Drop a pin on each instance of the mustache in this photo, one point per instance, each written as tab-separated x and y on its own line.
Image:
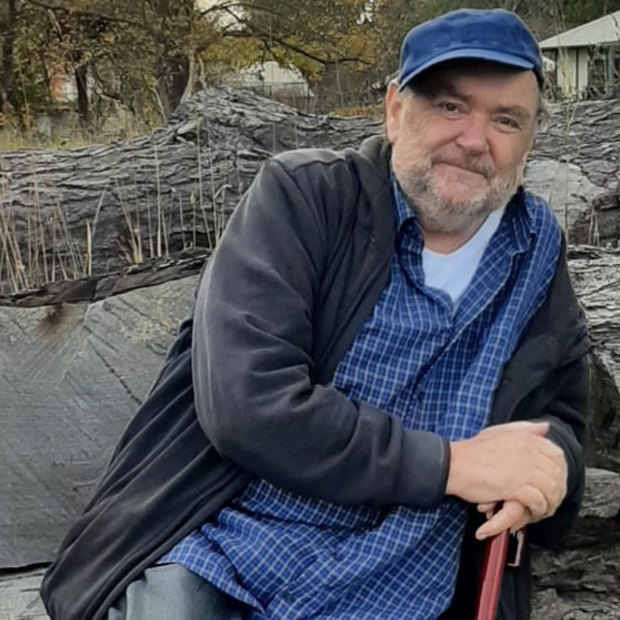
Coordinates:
487	170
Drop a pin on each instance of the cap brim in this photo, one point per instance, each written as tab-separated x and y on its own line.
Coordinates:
468	52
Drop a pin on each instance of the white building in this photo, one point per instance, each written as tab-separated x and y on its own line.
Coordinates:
587	58
271	79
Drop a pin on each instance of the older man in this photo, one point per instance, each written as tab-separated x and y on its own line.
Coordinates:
384	345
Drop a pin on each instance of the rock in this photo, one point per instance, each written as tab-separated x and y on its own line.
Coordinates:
71	377
100	208
586	137
548	605
570	193
595	274
582	581
19	596
602	495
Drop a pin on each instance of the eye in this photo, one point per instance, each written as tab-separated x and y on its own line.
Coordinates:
508	122
449	108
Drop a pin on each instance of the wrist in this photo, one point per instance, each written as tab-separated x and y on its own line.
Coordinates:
453	481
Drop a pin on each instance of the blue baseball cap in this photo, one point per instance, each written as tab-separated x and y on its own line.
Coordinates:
497	36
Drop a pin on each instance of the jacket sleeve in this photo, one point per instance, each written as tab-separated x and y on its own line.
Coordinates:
252	364
566	414
562	399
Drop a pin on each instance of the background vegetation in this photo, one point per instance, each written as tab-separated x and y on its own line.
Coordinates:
141	58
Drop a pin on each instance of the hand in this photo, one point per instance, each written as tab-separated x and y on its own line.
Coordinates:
511	516
510	462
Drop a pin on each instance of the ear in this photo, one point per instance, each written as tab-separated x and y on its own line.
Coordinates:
530	148
393	111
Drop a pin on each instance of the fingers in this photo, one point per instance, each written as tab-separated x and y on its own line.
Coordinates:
546	486
488	509
519	524
511	516
533	500
505	460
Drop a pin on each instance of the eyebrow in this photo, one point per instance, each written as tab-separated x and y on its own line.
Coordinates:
447	89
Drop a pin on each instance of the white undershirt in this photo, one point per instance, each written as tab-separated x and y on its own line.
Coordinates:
452	273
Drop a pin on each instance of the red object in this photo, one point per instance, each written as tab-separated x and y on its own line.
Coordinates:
495	555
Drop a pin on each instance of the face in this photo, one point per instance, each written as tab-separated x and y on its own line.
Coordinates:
459	149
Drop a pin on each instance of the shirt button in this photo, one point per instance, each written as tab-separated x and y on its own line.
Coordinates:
420	397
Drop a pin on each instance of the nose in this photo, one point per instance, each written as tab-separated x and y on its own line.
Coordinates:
473	134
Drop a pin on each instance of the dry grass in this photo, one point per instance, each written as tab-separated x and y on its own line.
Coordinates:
69	136
11	140
37	247
43	253
376	111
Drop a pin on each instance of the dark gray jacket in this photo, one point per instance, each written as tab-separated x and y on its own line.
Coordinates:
245	392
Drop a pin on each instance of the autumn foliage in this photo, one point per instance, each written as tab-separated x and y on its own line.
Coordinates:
145	56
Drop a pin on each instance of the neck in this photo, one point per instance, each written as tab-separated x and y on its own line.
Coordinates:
448	242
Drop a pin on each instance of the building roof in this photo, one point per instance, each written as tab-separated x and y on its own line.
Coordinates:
605	29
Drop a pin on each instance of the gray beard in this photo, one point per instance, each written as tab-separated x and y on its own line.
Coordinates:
439	215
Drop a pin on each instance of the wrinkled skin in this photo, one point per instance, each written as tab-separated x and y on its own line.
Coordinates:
460	153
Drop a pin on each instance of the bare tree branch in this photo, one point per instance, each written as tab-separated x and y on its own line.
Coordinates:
228	6
265	37
255	33
111	18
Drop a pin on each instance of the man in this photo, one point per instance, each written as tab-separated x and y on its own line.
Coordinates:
383	338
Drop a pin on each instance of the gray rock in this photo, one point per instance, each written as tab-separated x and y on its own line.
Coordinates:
570	193
548	605
71	377
602	495
19	596
596	279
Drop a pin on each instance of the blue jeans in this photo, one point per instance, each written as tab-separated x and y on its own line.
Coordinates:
171	591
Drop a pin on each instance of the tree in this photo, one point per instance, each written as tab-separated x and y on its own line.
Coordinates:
24	79
332	43
576	12
8	24
142	55
146	56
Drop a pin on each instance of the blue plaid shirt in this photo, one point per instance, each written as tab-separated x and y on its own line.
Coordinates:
434	366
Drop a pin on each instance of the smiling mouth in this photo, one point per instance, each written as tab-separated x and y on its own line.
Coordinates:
466	169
